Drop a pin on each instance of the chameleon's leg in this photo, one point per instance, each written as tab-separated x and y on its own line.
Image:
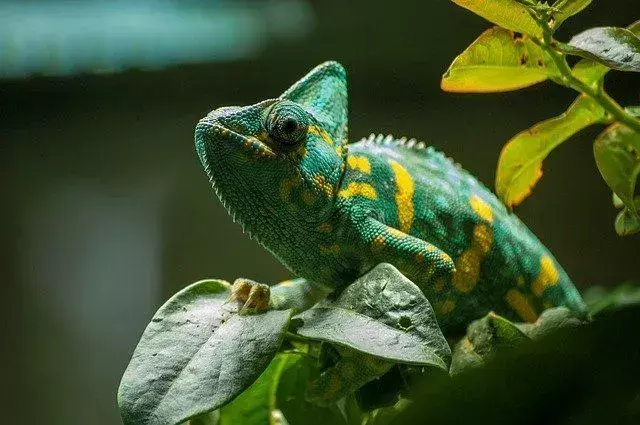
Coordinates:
254	295
350	372
298	294
412	256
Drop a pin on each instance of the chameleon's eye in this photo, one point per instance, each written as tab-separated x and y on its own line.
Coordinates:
287	124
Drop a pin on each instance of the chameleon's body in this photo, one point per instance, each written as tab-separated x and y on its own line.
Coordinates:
330	211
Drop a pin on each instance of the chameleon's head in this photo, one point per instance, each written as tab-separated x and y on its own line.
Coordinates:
280	159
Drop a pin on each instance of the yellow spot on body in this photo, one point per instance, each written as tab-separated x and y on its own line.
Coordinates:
395	233
359	163
314	129
482	238
445	258
325	228
547	277
286	283
338	150
263	153
330	249
358	189
378	243
446	307
404	196
321	183
521	305
468	264
286	186
481	208
258	149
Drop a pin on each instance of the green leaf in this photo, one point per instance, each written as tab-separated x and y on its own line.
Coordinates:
484	339
617	154
387	415
257	404
600	299
592	72
504	332
628	221
520	162
382	314
551	320
499	60
196	355
508	14
352	411
616	201
633	110
567	8
209	418
586	375
617	48
299	371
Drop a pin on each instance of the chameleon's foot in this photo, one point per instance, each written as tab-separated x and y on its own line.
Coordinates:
253	295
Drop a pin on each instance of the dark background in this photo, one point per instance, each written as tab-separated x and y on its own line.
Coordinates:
106	211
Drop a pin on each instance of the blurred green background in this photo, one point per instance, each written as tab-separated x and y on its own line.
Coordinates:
106	211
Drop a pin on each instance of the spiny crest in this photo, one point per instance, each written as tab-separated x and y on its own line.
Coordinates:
389	140
411	144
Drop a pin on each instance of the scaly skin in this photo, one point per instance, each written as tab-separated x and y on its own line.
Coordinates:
330	211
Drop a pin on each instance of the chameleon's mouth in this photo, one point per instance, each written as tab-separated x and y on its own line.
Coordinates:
211	133
235	128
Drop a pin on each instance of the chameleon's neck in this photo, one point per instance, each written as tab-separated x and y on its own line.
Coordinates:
286	221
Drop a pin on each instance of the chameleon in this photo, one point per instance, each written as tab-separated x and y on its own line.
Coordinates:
330	210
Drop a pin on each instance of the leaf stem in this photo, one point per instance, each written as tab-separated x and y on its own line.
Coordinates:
567	79
298	338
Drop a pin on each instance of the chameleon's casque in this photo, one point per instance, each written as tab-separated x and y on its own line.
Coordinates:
330	210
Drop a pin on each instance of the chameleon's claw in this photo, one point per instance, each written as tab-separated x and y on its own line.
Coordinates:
253	295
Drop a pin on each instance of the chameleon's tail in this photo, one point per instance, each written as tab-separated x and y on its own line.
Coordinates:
558	289
539	280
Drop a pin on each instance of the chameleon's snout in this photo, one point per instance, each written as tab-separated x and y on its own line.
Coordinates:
233	131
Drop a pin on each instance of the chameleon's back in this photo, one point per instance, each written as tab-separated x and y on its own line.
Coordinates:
500	264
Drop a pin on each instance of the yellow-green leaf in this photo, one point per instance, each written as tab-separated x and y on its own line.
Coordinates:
506	13
499	60
568	8
617	154
520	162
628	222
